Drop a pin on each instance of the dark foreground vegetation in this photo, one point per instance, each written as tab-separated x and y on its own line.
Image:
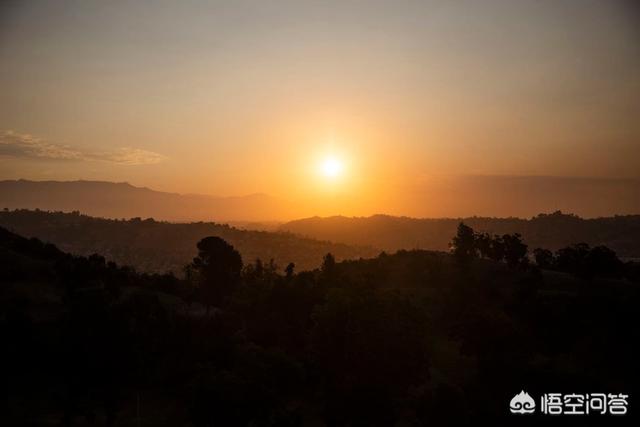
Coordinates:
411	339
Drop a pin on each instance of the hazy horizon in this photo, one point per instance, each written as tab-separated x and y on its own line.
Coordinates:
339	107
486	196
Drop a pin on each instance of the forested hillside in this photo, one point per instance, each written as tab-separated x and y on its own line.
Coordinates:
551	231
154	246
414	338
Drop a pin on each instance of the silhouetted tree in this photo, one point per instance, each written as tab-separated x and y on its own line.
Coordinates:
272	268
515	250
219	266
544	258
483	243
463	243
259	267
328	263
572	259
289	270
496	252
586	262
603	262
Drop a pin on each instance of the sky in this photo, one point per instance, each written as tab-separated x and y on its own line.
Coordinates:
242	97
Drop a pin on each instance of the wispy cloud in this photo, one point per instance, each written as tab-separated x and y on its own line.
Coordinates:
27	146
129	156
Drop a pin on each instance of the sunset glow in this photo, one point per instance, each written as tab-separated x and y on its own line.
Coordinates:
335	107
319	213
332	167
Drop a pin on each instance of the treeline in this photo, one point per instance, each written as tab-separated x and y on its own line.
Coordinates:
24	259
158	247
411	338
552	231
234	344
578	259
510	248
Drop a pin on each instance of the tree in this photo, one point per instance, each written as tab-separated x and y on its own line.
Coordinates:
603	262
259	268
463	243
289	270
483	243
544	258
496	252
572	258
515	250
328	263
219	266
586	262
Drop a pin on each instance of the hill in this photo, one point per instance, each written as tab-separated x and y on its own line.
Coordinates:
412	338
551	231
153	246
123	200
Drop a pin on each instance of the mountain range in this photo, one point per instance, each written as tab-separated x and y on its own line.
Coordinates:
123	200
434	197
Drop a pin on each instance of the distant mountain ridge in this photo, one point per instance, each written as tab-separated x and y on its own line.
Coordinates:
433	197
551	231
123	200
522	196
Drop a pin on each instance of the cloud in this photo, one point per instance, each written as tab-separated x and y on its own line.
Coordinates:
130	156
27	146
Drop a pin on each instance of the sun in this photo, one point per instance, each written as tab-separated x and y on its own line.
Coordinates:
331	167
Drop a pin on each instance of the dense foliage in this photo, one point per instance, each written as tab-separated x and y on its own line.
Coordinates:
579	259
413	338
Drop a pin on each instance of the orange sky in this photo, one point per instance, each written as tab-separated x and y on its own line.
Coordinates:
241	97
